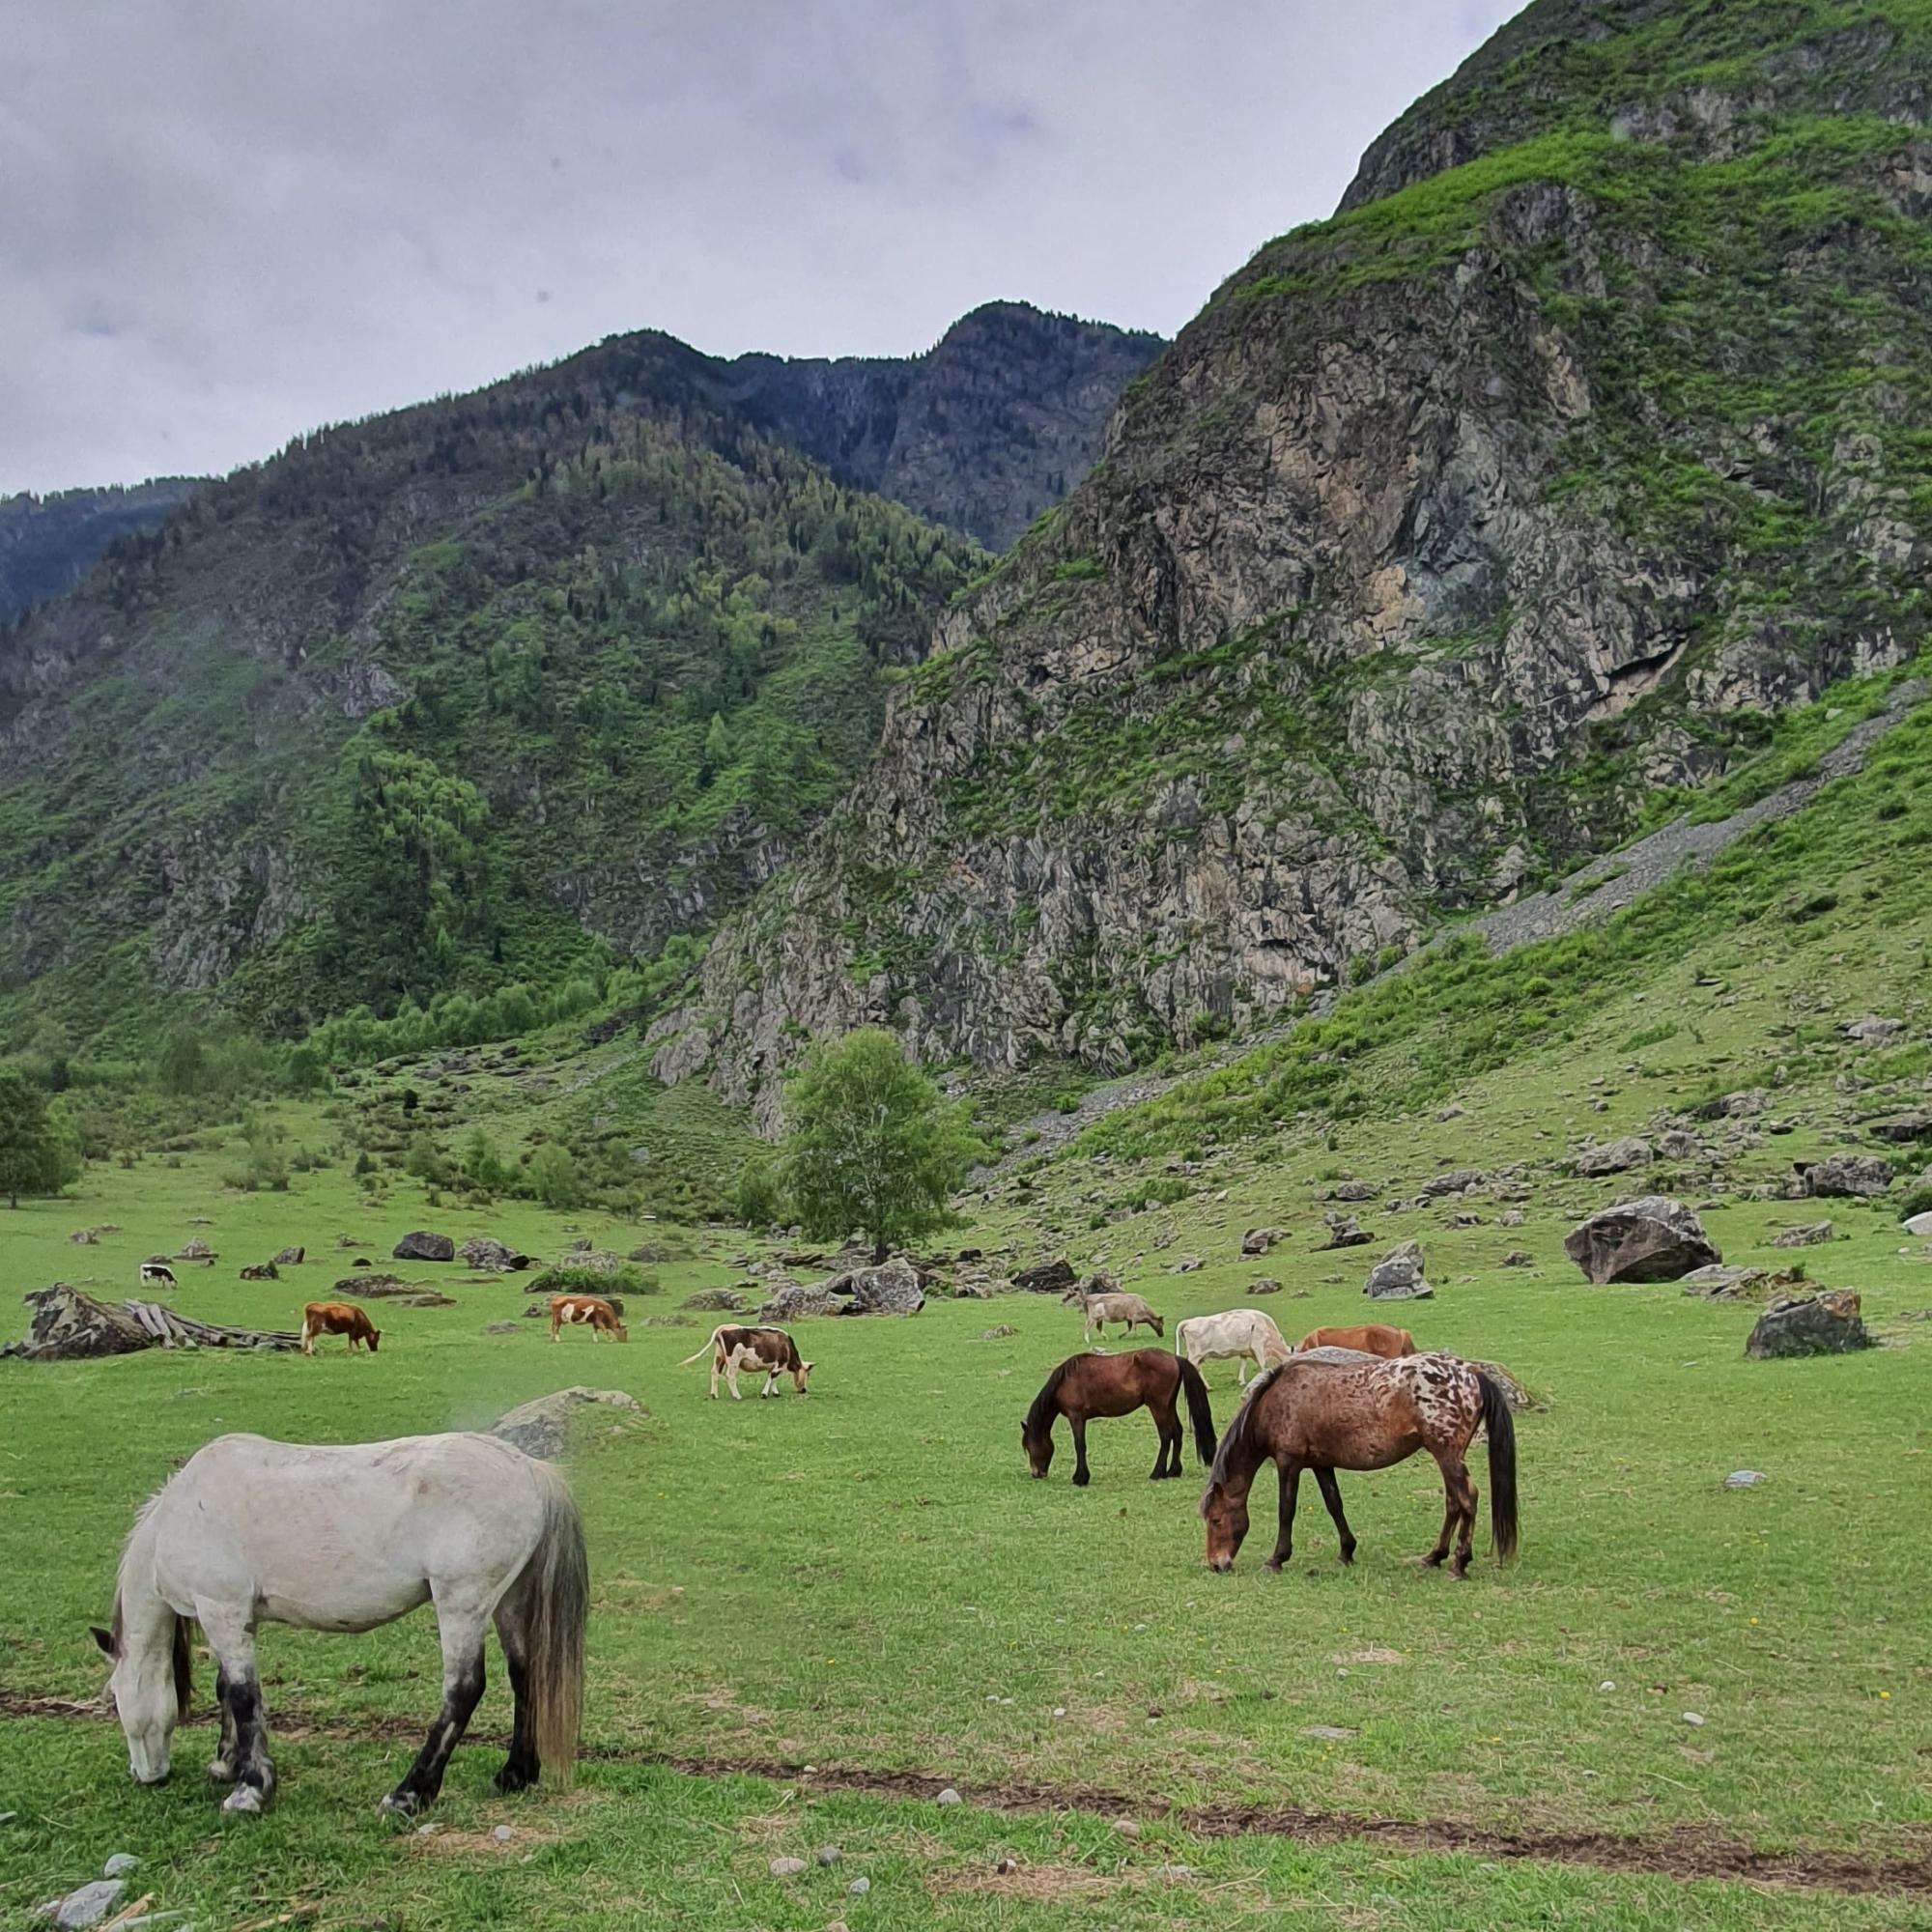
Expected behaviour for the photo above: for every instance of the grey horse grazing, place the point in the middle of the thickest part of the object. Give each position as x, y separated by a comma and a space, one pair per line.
1102, 1305
345, 1538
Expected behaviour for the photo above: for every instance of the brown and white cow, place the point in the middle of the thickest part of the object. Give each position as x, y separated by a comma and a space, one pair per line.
769, 1350
338, 1318
566, 1309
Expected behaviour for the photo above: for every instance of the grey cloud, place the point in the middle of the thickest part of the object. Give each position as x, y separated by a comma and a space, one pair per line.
229, 220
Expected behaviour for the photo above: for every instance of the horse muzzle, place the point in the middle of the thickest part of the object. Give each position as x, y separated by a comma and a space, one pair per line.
1220, 1565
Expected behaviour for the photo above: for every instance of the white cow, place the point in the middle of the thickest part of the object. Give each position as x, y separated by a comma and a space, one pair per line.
1239, 1332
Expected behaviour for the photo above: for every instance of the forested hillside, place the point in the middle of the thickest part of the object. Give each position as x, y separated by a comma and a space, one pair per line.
47, 544
461, 697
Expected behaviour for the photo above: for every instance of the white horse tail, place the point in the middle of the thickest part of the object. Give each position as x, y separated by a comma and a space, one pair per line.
555, 1592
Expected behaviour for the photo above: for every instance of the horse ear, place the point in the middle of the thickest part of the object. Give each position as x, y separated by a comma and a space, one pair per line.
105, 1638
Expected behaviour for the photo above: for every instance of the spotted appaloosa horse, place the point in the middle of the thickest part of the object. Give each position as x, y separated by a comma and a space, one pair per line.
1337, 1409
1088, 1385
344, 1537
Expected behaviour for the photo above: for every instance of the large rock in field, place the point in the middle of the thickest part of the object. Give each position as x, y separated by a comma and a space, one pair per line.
1813, 1234
1398, 1276
495, 1256
1259, 1241
716, 1301
1343, 1232
1919, 1225
891, 1287
1519, 1397
69, 1326
1809, 1324
373, 1287
799, 1300
1615, 1156
1458, 1180
1843, 1176
1905, 1129
1652, 1238
1054, 1277
290, 1257
542, 1428
420, 1246
195, 1250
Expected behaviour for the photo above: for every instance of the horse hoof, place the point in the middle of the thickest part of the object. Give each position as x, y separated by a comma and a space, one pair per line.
221, 1771
512, 1780
1273, 1565
244, 1799
401, 1804
1080, 1482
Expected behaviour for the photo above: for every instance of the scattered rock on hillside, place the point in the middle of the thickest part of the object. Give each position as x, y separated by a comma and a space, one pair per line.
481, 1251
262, 1271
289, 1258
1185, 1264
1458, 1180
1809, 1324
1919, 1224
1651, 1238
1267, 1285
542, 1428
1873, 1030
1904, 1128
1517, 1258
716, 1301
1843, 1175
69, 1326
372, 1287
422, 1246
87, 1905
84, 1237
797, 1300
891, 1287
1054, 1277
501, 1328
998, 1333
652, 1253
1808, 1236
1723, 1282
1344, 1231
196, 1250
428, 1297
1259, 1241
1343, 1190
1614, 1157
1398, 1276
1743, 1479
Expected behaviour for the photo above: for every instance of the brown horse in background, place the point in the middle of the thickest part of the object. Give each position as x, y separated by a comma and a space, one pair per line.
1372, 1338
1364, 1414
1088, 1385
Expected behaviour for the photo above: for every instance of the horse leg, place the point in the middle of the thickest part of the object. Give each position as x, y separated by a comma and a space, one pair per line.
233, 1642
1331, 1495
1077, 1424
461, 1624
1459, 1564
522, 1767
1283, 1543
222, 1766
1452, 1511
1165, 1424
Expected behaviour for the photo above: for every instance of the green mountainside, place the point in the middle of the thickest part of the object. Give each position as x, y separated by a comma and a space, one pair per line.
47, 544
1585, 441
484, 692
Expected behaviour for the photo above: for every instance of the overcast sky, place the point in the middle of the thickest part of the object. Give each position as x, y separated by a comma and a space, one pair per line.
225, 221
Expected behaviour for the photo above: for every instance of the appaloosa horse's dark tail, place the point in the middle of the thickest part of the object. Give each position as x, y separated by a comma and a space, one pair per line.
1500, 1428
1197, 1411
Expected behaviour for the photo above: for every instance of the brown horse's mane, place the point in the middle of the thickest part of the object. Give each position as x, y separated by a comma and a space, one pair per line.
1241, 1428
1039, 1417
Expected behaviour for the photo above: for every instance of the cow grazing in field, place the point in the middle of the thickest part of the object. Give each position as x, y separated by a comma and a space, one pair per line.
604, 1319
1239, 1332
1103, 1305
769, 1350
337, 1318
1372, 1338
156, 1274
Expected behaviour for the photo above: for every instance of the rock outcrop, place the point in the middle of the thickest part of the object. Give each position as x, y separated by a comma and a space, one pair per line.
1809, 1324
1398, 1276
483, 1252
542, 1428
1842, 1176
1654, 1239
422, 1246
891, 1287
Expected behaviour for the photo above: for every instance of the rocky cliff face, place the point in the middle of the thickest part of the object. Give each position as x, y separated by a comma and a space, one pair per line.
980, 434
47, 544
1578, 444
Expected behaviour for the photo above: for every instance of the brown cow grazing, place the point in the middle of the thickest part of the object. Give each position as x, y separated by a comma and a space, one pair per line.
591, 1308
1372, 1338
338, 1318
770, 1350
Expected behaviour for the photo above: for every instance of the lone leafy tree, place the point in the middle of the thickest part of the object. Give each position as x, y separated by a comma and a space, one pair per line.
34, 1156
871, 1143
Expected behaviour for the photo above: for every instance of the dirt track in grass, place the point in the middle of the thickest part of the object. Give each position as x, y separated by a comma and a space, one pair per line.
1684, 1853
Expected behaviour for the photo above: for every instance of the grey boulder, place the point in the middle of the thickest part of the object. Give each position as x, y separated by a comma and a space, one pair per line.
421, 1246
1652, 1238
1398, 1276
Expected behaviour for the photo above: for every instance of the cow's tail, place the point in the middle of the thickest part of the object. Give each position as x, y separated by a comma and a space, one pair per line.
709, 1349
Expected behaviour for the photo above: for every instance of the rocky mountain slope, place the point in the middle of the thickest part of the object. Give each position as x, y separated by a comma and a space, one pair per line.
438, 700
47, 544
1583, 441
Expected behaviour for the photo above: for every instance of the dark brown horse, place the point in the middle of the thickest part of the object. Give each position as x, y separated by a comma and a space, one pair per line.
1086, 1385
1351, 1411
